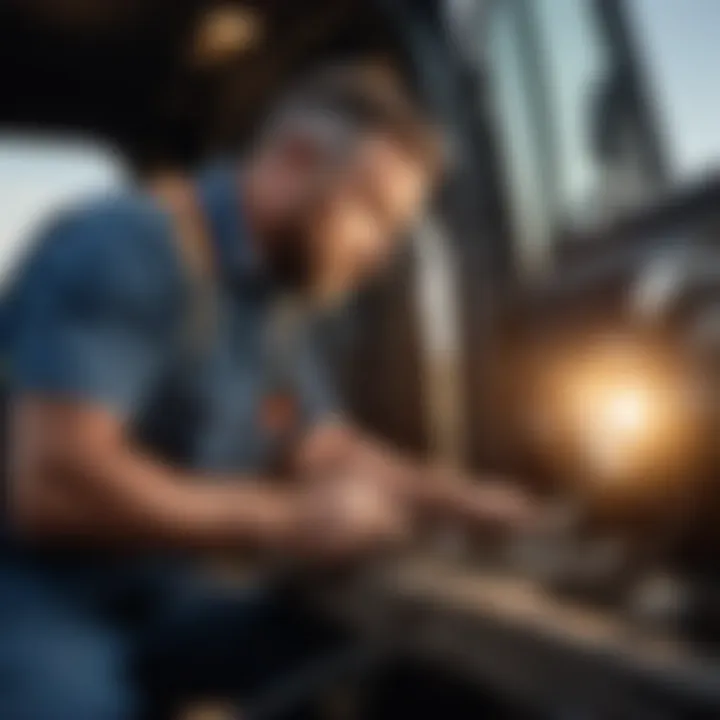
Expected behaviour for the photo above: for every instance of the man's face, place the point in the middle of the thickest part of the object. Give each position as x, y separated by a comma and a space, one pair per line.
349, 216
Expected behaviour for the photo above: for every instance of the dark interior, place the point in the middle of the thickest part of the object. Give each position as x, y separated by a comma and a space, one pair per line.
135, 72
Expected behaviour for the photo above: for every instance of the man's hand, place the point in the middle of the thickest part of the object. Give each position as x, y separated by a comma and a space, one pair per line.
483, 503
425, 492
343, 518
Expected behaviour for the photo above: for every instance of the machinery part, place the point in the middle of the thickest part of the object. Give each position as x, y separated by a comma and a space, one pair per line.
670, 279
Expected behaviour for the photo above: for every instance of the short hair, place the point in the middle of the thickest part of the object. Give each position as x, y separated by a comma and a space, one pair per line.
371, 100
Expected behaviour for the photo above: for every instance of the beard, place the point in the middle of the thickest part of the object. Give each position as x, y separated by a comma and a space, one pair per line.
289, 256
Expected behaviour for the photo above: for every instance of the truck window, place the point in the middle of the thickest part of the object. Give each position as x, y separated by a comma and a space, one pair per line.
40, 175
521, 132
679, 48
600, 108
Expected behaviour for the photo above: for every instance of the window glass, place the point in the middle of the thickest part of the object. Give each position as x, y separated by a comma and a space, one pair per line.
680, 52
577, 153
38, 176
520, 142
575, 67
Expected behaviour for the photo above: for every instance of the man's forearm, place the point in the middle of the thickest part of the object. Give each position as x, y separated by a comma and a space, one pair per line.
130, 500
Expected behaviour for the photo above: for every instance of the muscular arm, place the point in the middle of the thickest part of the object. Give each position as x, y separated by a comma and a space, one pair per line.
76, 478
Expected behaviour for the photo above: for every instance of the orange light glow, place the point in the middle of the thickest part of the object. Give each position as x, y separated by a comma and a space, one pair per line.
613, 413
224, 32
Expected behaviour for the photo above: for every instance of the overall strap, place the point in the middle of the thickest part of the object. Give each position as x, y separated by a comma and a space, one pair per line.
195, 248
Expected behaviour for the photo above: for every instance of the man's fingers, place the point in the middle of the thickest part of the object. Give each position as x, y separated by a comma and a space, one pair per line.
349, 517
503, 504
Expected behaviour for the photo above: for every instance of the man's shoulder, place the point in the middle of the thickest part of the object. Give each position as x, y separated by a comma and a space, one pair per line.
115, 250
128, 214
116, 231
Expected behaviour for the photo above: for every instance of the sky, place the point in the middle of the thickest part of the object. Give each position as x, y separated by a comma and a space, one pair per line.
679, 37
40, 175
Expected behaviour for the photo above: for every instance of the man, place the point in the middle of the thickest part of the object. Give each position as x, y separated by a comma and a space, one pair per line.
148, 404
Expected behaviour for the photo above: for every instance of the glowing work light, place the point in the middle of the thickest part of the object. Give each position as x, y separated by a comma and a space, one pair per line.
613, 414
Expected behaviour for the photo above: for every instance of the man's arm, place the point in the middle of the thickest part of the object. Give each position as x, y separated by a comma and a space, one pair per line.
76, 477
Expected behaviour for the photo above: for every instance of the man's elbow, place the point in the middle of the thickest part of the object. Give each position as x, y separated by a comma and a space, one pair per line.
46, 497
70, 471
37, 511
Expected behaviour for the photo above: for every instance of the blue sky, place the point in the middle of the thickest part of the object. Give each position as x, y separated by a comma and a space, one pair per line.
681, 37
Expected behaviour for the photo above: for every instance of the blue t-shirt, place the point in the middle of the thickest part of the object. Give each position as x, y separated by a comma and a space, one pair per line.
99, 315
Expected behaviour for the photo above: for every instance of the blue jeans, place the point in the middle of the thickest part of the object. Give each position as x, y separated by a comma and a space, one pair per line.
99, 641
